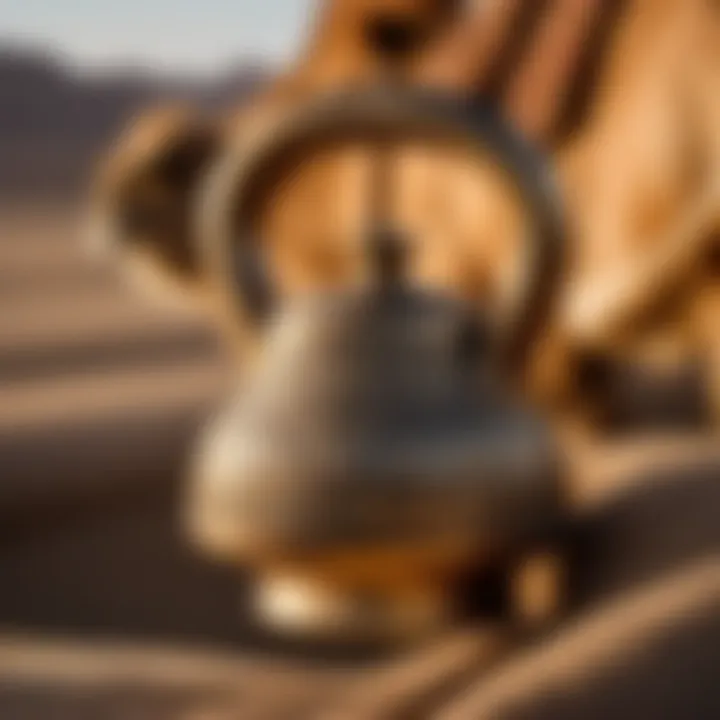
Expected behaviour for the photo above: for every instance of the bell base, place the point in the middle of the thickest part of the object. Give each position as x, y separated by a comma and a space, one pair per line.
312, 609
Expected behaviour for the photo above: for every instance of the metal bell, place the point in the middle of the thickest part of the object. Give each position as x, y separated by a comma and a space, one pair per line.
375, 453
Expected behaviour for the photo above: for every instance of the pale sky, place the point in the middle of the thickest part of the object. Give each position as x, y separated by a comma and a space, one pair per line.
196, 35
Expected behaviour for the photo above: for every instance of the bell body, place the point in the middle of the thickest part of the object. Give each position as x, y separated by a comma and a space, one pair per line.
369, 459
365, 466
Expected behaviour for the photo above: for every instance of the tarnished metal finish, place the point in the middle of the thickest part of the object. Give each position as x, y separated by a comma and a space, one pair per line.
375, 453
364, 427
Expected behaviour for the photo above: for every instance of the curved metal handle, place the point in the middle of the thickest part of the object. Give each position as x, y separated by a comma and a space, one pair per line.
382, 113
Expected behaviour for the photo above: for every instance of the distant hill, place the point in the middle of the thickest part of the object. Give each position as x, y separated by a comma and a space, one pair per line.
54, 121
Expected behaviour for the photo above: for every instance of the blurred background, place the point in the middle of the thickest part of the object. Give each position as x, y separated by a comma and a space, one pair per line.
105, 612
101, 392
72, 73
